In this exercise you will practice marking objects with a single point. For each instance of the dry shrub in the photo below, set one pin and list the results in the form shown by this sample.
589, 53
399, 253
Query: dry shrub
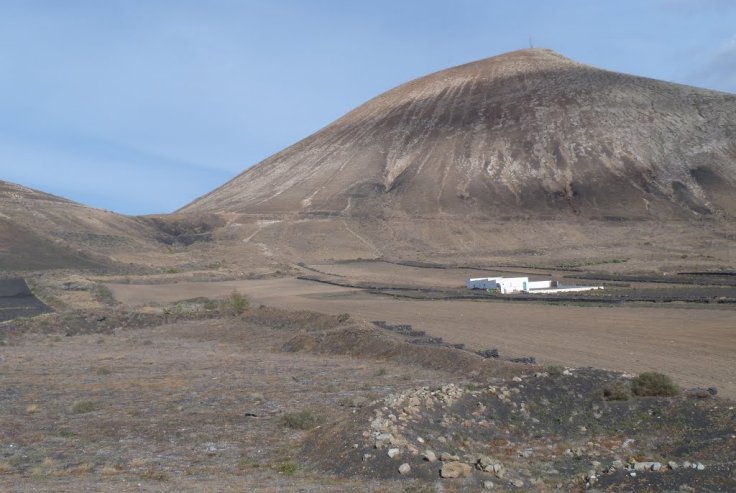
110, 469
5, 468
81, 469
83, 407
653, 384
155, 475
32, 409
616, 391
235, 304
302, 420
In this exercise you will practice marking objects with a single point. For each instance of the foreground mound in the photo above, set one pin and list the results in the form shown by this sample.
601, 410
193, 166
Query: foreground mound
548, 430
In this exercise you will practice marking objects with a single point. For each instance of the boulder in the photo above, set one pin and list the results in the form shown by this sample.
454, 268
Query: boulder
455, 470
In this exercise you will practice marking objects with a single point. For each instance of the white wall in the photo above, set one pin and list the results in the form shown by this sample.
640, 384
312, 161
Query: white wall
482, 283
539, 284
513, 284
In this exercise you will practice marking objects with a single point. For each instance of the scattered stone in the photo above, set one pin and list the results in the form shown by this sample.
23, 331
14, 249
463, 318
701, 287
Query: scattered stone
673, 465
699, 466
526, 360
488, 485
448, 457
394, 452
518, 483
647, 466
367, 457
404, 469
701, 393
455, 470
430, 456
484, 463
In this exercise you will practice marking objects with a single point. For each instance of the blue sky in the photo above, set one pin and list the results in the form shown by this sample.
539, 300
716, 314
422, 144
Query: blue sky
140, 106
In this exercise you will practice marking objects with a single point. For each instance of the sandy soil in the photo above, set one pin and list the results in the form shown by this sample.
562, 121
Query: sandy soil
694, 346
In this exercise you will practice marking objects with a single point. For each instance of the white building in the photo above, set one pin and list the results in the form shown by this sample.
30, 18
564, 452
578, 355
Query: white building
482, 282
502, 284
506, 285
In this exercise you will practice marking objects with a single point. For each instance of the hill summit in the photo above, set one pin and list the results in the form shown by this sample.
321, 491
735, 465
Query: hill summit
525, 134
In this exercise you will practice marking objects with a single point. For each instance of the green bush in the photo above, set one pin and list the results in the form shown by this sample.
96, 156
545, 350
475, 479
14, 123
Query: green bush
287, 468
235, 304
555, 370
302, 420
343, 317
653, 384
616, 391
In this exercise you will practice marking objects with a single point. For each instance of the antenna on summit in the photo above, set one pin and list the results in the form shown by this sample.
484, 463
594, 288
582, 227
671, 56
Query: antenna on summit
531, 45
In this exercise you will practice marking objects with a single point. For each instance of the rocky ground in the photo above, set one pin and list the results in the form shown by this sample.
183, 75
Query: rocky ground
210, 395
550, 430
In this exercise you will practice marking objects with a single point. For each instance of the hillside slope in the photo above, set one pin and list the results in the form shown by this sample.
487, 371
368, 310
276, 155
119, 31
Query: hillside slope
528, 133
43, 231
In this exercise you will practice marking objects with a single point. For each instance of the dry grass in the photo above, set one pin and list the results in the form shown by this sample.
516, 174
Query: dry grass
81, 469
110, 469
32, 409
187, 394
155, 475
83, 406
137, 462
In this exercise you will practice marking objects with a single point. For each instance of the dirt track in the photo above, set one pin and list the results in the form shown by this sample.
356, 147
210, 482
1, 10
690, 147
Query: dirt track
695, 346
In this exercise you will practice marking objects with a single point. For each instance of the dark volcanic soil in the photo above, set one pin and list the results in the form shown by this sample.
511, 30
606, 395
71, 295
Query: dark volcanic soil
546, 430
16, 300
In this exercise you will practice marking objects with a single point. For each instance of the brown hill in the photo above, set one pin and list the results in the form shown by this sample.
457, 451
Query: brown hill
525, 134
42, 231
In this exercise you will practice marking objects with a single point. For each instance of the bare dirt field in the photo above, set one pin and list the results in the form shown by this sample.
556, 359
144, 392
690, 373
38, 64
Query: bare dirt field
693, 345
196, 406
